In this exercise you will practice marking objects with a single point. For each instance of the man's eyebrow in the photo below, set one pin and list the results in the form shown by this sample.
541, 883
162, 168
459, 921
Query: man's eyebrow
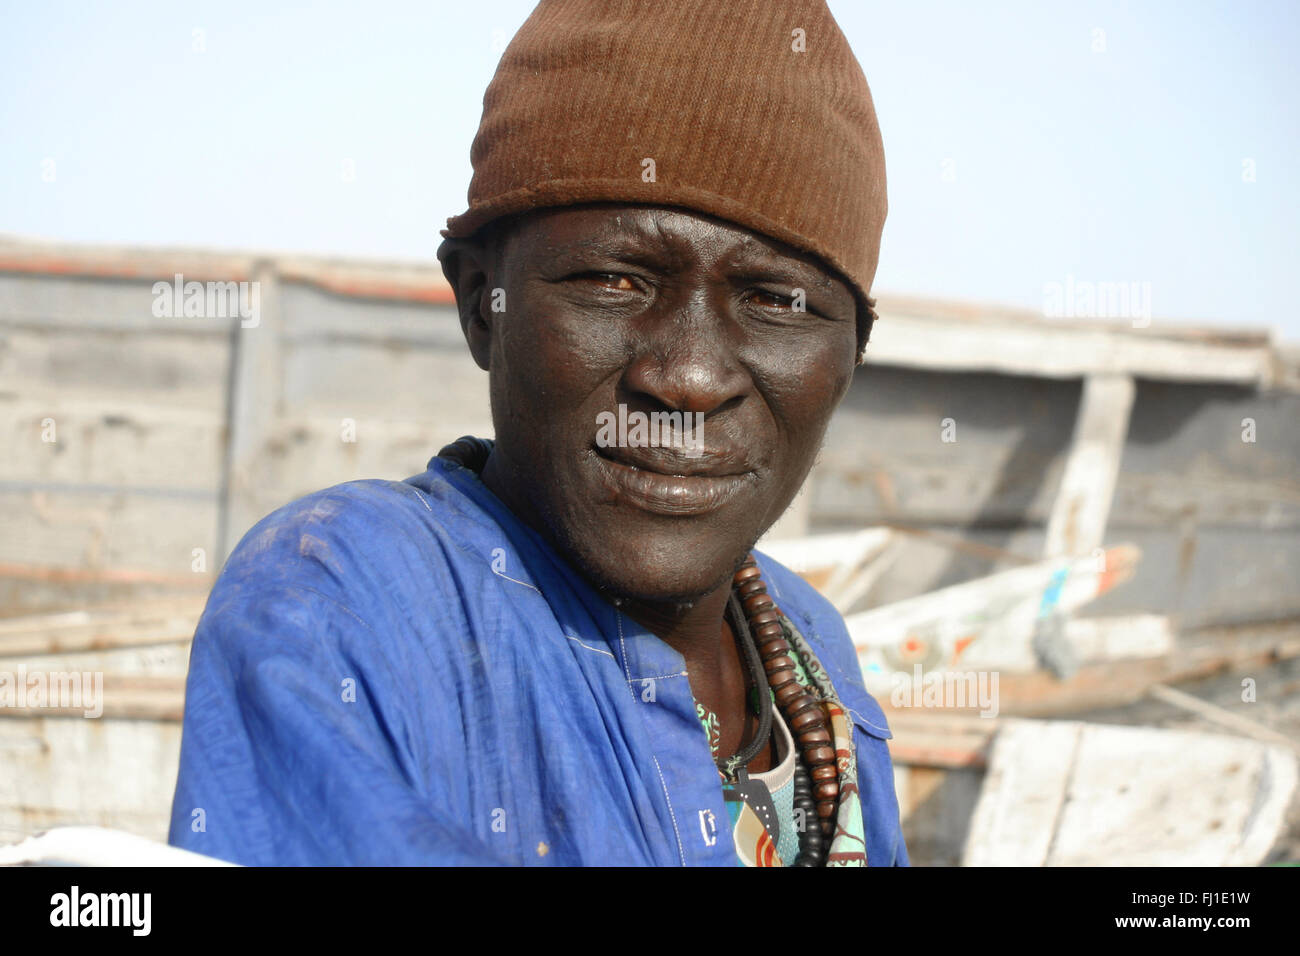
631, 247
757, 257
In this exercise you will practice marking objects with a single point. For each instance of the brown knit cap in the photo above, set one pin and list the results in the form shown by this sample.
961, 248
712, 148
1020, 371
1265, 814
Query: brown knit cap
755, 111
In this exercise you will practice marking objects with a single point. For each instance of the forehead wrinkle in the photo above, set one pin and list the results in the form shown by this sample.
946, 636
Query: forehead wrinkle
615, 235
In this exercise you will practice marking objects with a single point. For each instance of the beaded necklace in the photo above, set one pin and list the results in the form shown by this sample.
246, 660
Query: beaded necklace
763, 639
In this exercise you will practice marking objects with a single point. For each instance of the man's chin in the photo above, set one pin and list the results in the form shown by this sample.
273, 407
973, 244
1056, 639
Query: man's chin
667, 577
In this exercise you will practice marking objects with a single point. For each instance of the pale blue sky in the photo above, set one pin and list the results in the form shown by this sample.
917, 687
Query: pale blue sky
1117, 166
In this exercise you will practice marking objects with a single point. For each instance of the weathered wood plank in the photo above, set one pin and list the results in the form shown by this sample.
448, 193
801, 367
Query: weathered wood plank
1102, 639
1219, 715
255, 406
109, 367
121, 447
1020, 343
1078, 521
302, 455
1062, 793
885, 460
417, 280
150, 622
315, 316
376, 381
98, 529
1024, 790
65, 771
1136, 799
1117, 682
146, 697
61, 303
99, 846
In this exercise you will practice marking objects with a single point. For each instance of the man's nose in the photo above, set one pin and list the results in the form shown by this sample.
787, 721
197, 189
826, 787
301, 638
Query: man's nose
688, 362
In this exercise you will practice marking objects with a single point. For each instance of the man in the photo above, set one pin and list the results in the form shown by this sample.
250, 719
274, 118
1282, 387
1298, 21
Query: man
553, 649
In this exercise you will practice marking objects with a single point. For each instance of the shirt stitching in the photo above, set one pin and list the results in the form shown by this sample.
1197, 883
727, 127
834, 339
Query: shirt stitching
864, 720
421, 497
623, 647
681, 851
589, 647
642, 680
509, 578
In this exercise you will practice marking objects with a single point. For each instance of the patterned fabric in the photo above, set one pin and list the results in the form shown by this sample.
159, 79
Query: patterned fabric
787, 844
765, 829
712, 728
754, 799
848, 843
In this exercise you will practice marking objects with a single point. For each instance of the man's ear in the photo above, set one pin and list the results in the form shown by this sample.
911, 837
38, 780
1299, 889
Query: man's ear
466, 265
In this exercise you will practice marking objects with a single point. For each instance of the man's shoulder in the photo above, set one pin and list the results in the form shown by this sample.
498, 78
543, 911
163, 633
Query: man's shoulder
327, 528
365, 549
369, 575
365, 522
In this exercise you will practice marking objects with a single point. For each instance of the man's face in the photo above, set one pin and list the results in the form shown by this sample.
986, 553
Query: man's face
657, 310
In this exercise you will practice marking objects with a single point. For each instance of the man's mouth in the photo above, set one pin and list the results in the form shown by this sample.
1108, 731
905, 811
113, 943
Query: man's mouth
665, 481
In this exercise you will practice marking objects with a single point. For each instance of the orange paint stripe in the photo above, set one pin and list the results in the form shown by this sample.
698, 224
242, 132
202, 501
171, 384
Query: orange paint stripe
53, 265
432, 293
35, 572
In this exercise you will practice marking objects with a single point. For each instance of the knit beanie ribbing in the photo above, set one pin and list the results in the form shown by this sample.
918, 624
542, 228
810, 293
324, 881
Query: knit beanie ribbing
754, 111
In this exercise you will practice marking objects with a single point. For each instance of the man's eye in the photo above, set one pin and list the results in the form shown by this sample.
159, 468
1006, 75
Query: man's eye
770, 300
618, 283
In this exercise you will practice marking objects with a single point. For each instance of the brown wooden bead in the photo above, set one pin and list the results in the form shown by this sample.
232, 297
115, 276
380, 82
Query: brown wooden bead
822, 753
815, 735
827, 771
827, 790
825, 810
786, 691
746, 573
751, 587
779, 680
812, 704
765, 617
807, 726
800, 704
807, 718
759, 601
771, 649
780, 663
769, 631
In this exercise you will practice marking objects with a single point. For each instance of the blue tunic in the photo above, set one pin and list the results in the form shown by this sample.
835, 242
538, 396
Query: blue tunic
403, 673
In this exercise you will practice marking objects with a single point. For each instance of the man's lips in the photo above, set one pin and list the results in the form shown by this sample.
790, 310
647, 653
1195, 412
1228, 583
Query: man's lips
665, 481
675, 461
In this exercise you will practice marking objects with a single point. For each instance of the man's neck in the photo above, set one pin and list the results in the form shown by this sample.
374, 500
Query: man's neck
695, 631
